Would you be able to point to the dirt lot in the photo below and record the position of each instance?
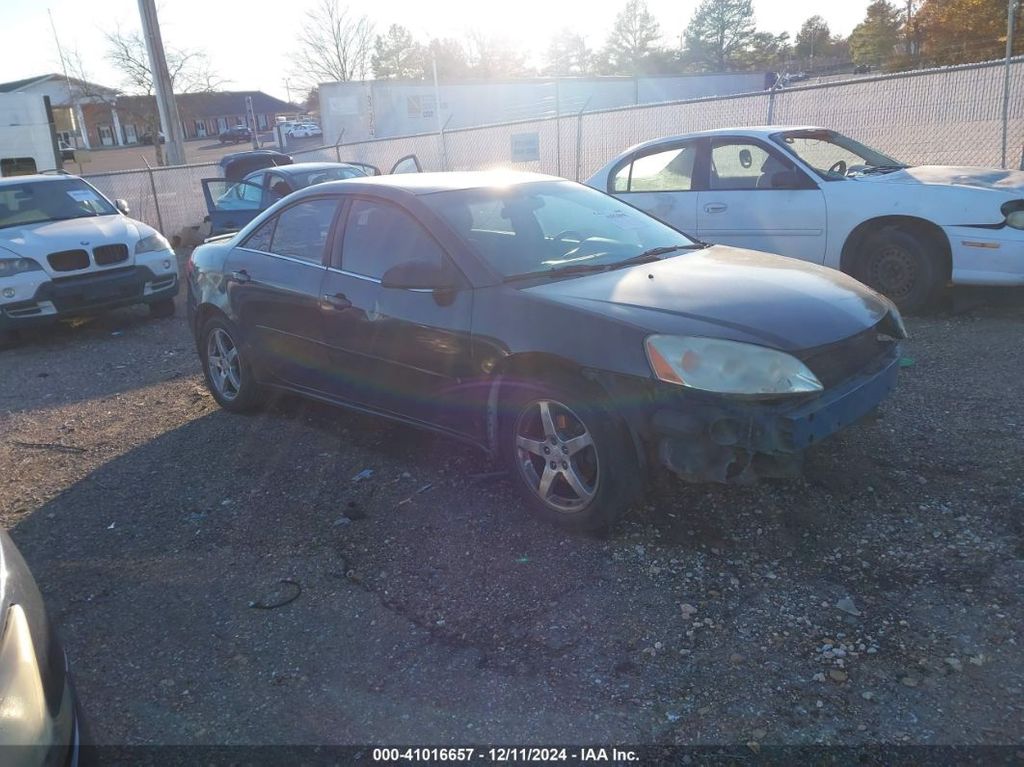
(878, 599)
(196, 151)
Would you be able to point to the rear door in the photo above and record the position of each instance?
(663, 181)
(757, 198)
(274, 278)
(231, 204)
(404, 351)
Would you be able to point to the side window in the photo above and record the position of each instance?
(667, 170)
(261, 237)
(302, 230)
(743, 165)
(17, 166)
(277, 187)
(379, 236)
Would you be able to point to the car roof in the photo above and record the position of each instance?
(34, 177)
(303, 167)
(752, 131)
(428, 183)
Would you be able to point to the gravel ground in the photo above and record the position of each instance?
(879, 599)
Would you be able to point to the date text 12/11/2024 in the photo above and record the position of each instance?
(503, 754)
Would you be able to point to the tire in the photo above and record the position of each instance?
(230, 382)
(580, 453)
(903, 266)
(162, 308)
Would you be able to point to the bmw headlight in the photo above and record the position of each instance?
(152, 244)
(12, 266)
(728, 367)
(1014, 212)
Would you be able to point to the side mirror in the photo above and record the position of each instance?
(787, 179)
(122, 205)
(420, 275)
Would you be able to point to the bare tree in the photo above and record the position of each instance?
(189, 70)
(335, 45)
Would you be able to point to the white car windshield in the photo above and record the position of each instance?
(35, 202)
(835, 156)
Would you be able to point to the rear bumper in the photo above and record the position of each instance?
(88, 293)
(715, 439)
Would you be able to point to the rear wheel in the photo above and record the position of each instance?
(570, 458)
(903, 266)
(228, 374)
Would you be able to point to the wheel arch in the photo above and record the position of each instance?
(204, 313)
(916, 225)
(520, 368)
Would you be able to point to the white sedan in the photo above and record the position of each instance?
(305, 130)
(814, 194)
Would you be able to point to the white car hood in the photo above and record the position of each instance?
(947, 175)
(35, 240)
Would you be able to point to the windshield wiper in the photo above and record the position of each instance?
(882, 169)
(652, 254)
(560, 271)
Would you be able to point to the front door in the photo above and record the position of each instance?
(231, 204)
(757, 198)
(404, 351)
(661, 181)
(274, 278)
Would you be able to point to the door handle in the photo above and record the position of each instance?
(241, 276)
(337, 301)
(715, 207)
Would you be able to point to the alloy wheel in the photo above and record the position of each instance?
(222, 362)
(556, 454)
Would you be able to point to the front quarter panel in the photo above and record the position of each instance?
(207, 283)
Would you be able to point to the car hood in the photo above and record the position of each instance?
(732, 293)
(948, 175)
(34, 240)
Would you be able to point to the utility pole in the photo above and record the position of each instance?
(162, 84)
(1011, 23)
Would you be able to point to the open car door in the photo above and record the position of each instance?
(231, 204)
(408, 164)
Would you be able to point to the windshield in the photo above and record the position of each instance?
(549, 226)
(34, 202)
(835, 156)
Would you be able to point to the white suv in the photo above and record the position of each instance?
(66, 250)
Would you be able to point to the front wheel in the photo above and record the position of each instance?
(571, 459)
(228, 373)
(902, 266)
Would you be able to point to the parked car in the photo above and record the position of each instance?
(305, 130)
(147, 138)
(230, 205)
(66, 250)
(814, 194)
(42, 722)
(237, 165)
(234, 135)
(572, 335)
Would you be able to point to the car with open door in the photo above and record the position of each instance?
(565, 333)
(814, 194)
(232, 204)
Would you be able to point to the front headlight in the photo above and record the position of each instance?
(1014, 212)
(12, 266)
(728, 367)
(155, 242)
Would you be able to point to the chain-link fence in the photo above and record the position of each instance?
(950, 116)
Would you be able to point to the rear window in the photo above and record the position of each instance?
(17, 166)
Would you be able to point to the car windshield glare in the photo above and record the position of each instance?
(834, 156)
(35, 202)
(551, 226)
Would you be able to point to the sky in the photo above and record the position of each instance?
(250, 44)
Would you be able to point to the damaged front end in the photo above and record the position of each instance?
(704, 437)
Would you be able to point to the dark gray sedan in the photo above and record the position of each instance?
(564, 332)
